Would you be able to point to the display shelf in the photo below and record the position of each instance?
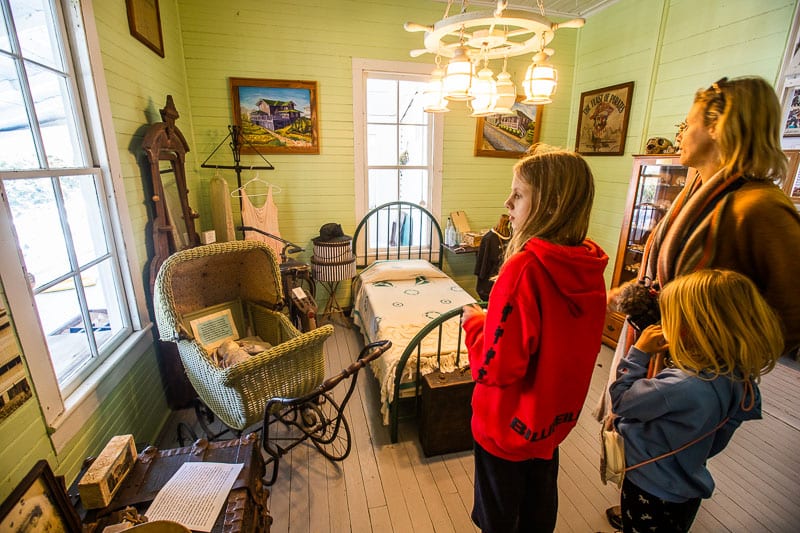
(655, 182)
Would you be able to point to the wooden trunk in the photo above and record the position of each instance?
(246, 509)
(444, 425)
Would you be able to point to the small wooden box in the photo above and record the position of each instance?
(101, 481)
(445, 422)
(472, 238)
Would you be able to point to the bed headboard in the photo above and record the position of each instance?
(398, 230)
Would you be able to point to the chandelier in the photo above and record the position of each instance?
(469, 40)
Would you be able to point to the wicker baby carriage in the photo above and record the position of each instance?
(235, 288)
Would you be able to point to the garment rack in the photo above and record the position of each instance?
(237, 141)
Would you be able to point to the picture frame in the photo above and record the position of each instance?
(603, 120)
(39, 503)
(276, 116)
(508, 135)
(216, 324)
(144, 21)
(791, 125)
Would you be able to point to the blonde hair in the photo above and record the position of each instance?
(747, 117)
(717, 322)
(562, 189)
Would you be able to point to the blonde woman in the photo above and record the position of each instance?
(722, 336)
(730, 214)
(532, 353)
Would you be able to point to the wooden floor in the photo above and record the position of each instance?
(386, 487)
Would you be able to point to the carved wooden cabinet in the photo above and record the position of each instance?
(655, 182)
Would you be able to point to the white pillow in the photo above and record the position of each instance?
(389, 270)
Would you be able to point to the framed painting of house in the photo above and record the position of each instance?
(276, 116)
(508, 135)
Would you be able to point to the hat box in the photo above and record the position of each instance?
(333, 271)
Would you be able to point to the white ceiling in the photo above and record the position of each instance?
(553, 8)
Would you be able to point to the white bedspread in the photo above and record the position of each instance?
(395, 300)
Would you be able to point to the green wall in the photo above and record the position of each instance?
(668, 48)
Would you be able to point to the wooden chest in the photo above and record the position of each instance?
(446, 412)
(246, 509)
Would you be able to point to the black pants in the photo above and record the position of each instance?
(515, 496)
(641, 511)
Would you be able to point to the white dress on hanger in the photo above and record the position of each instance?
(264, 218)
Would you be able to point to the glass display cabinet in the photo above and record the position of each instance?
(655, 182)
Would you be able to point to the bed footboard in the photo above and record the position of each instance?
(435, 327)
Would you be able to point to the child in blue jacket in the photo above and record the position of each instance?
(721, 336)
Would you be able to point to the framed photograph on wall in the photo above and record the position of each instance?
(144, 21)
(39, 503)
(276, 116)
(508, 135)
(791, 127)
(603, 120)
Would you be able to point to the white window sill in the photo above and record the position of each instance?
(82, 404)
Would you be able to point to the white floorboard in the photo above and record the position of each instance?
(385, 487)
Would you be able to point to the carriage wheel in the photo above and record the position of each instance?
(327, 427)
(205, 417)
(185, 434)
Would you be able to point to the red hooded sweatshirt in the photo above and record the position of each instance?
(533, 353)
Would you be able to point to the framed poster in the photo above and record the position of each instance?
(144, 21)
(603, 120)
(39, 503)
(508, 135)
(276, 116)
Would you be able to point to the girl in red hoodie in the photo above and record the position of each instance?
(532, 353)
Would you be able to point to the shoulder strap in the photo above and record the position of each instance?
(673, 452)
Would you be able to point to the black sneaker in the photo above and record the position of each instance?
(614, 517)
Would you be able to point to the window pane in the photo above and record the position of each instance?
(57, 122)
(381, 145)
(103, 301)
(17, 150)
(36, 31)
(414, 185)
(39, 233)
(63, 324)
(85, 219)
(5, 43)
(413, 145)
(411, 111)
(382, 187)
(381, 100)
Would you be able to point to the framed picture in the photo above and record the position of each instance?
(791, 128)
(144, 21)
(603, 120)
(276, 116)
(39, 503)
(508, 135)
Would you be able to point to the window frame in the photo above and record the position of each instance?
(362, 68)
(65, 415)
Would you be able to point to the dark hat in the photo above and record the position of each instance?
(331, 232)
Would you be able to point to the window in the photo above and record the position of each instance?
(398, 145)
(57, 208)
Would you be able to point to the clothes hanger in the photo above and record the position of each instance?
(237, 193)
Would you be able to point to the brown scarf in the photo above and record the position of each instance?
(684, 240)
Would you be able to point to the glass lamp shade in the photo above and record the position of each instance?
(433, 97)
(506, 94)
(459, 76)
(540, 84)
(484, 92)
